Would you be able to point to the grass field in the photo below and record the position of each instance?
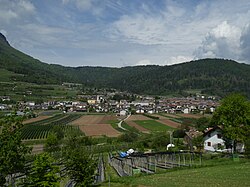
(233, 175)
(153, 125)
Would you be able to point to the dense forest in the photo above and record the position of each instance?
(211, 76)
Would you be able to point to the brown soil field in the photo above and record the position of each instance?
(196, 116)
(39, 118)
(138, 127)
(93, 119)
(99, 130)
(137, 117)
(169, 123)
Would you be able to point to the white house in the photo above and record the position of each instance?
(213, 140)
(186, 111)
(123, 113)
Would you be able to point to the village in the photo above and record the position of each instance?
(120, 102)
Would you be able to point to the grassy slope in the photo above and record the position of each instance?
(234, 174)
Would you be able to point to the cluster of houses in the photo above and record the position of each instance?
(107, 103)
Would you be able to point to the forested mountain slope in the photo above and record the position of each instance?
(212, 76)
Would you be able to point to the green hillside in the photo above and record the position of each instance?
(231, 174)
(211, 76)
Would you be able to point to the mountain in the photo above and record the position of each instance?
(211, 76)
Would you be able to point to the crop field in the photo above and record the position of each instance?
(137, 117)
(169, 123)
(138, 127)
(48, 120)
(196, 116)
(153, 125)
(93, 119)
(41, 129)
(39, 118)
(97, 125)
(131, 122)
(99, 130)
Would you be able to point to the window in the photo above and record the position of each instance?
(219, 136)
(209, 144)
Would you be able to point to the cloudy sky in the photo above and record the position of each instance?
(127, 32)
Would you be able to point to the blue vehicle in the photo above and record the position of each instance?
(123, 154)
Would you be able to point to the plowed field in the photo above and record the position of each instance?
(93, 119)
(99, 130)
(137, 117)
(97, 125)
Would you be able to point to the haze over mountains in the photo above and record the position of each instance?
(211, 76)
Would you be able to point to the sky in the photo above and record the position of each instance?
(117, 33)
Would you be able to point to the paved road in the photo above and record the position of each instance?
(120, 123)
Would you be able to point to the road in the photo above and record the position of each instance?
(120, 123)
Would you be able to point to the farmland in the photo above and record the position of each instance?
(99, 130)
(97, 125)
(39, 118)
(153, 125)
(40, 129)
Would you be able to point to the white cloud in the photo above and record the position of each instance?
(245, 44)
(16, 9)
(144, 62)
(27, 6)
(83, 4)
(7, 15)
(140, 29)
(4, 32)
(222, 41)
(178, 59)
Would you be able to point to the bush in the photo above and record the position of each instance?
(180, 133)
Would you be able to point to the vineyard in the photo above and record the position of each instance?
(41, 129)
